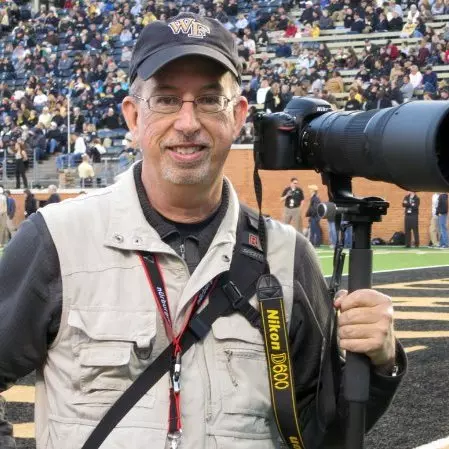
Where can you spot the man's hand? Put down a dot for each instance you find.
(365, 326)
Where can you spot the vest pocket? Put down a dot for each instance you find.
(110, 354)
(242, 368)
(104, 366)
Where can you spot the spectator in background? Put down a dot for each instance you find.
(283, 49)
(286, 95)
(54, 139)
(307, 14)
(54, 196)
(30, 203)
(415, 76)
(86, 172)
(410, 203)
(291, 29)
(293, 197)
(10, 213)
(407, 89)
(438, 8)
(413, 14)
(21, 161)
(444, 94)
(408, 29)
(358, 25)
(78, 120)
(335, 84)
(314, 218)
(430, 80)
(395, 94)
(110, 120)
(353, 104)
(3, 218)
(396, 22)
(441, 211)
(326, 22)
(434, 230)
(262, 91)
(273, 101)
(380, 101)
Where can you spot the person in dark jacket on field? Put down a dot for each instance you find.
(314, 218)
(30, 203)
(441, 213)
(410, 204)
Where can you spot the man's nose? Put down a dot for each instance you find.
(187, 119)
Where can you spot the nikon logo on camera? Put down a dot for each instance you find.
(278, 365)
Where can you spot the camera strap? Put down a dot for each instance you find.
(277, 349)
(280, 370)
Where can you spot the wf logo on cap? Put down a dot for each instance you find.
(189, 26)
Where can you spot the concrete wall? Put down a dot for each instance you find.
(239, 168)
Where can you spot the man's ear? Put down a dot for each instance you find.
(240, 113)
(130, 113)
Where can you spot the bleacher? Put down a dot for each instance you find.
(339, 38)
(335, 40)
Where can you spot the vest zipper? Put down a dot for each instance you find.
(182, 250)
(208, 386)
(228, 353)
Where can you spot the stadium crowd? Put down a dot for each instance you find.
(63, 70)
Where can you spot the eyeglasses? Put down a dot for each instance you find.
(170, 104)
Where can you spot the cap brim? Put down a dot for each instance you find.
(158, 60)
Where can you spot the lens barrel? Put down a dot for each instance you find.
(407, 145)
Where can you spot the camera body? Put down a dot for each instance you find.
(279, 143)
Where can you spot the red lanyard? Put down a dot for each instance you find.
(157, 284)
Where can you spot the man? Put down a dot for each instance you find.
(3, 218)
(11, 212)
(293, 196)
(54, 195)
(410, 203)
(86, 172)
(407, 89)
(442, 208)
(314, 218)
(89, 308)
(434, 228)
(415, 76)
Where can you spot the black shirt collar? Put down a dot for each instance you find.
(173, 233)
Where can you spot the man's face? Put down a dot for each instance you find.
(187, 147)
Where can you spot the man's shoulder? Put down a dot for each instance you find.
(80, 208)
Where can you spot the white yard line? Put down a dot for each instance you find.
(439, 444)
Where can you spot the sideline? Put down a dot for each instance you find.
(426, 267)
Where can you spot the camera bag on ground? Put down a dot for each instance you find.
(398, 238)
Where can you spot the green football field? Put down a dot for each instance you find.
(388, 258)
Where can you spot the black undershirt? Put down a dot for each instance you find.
(190, 240)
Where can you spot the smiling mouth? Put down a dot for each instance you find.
(187, 149)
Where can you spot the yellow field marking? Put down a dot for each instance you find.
(25, 430)
(432, 316)
(422, 334)
(420, 301)
(19, 393)
(415, 348)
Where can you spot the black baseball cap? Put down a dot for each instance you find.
(185, 34)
